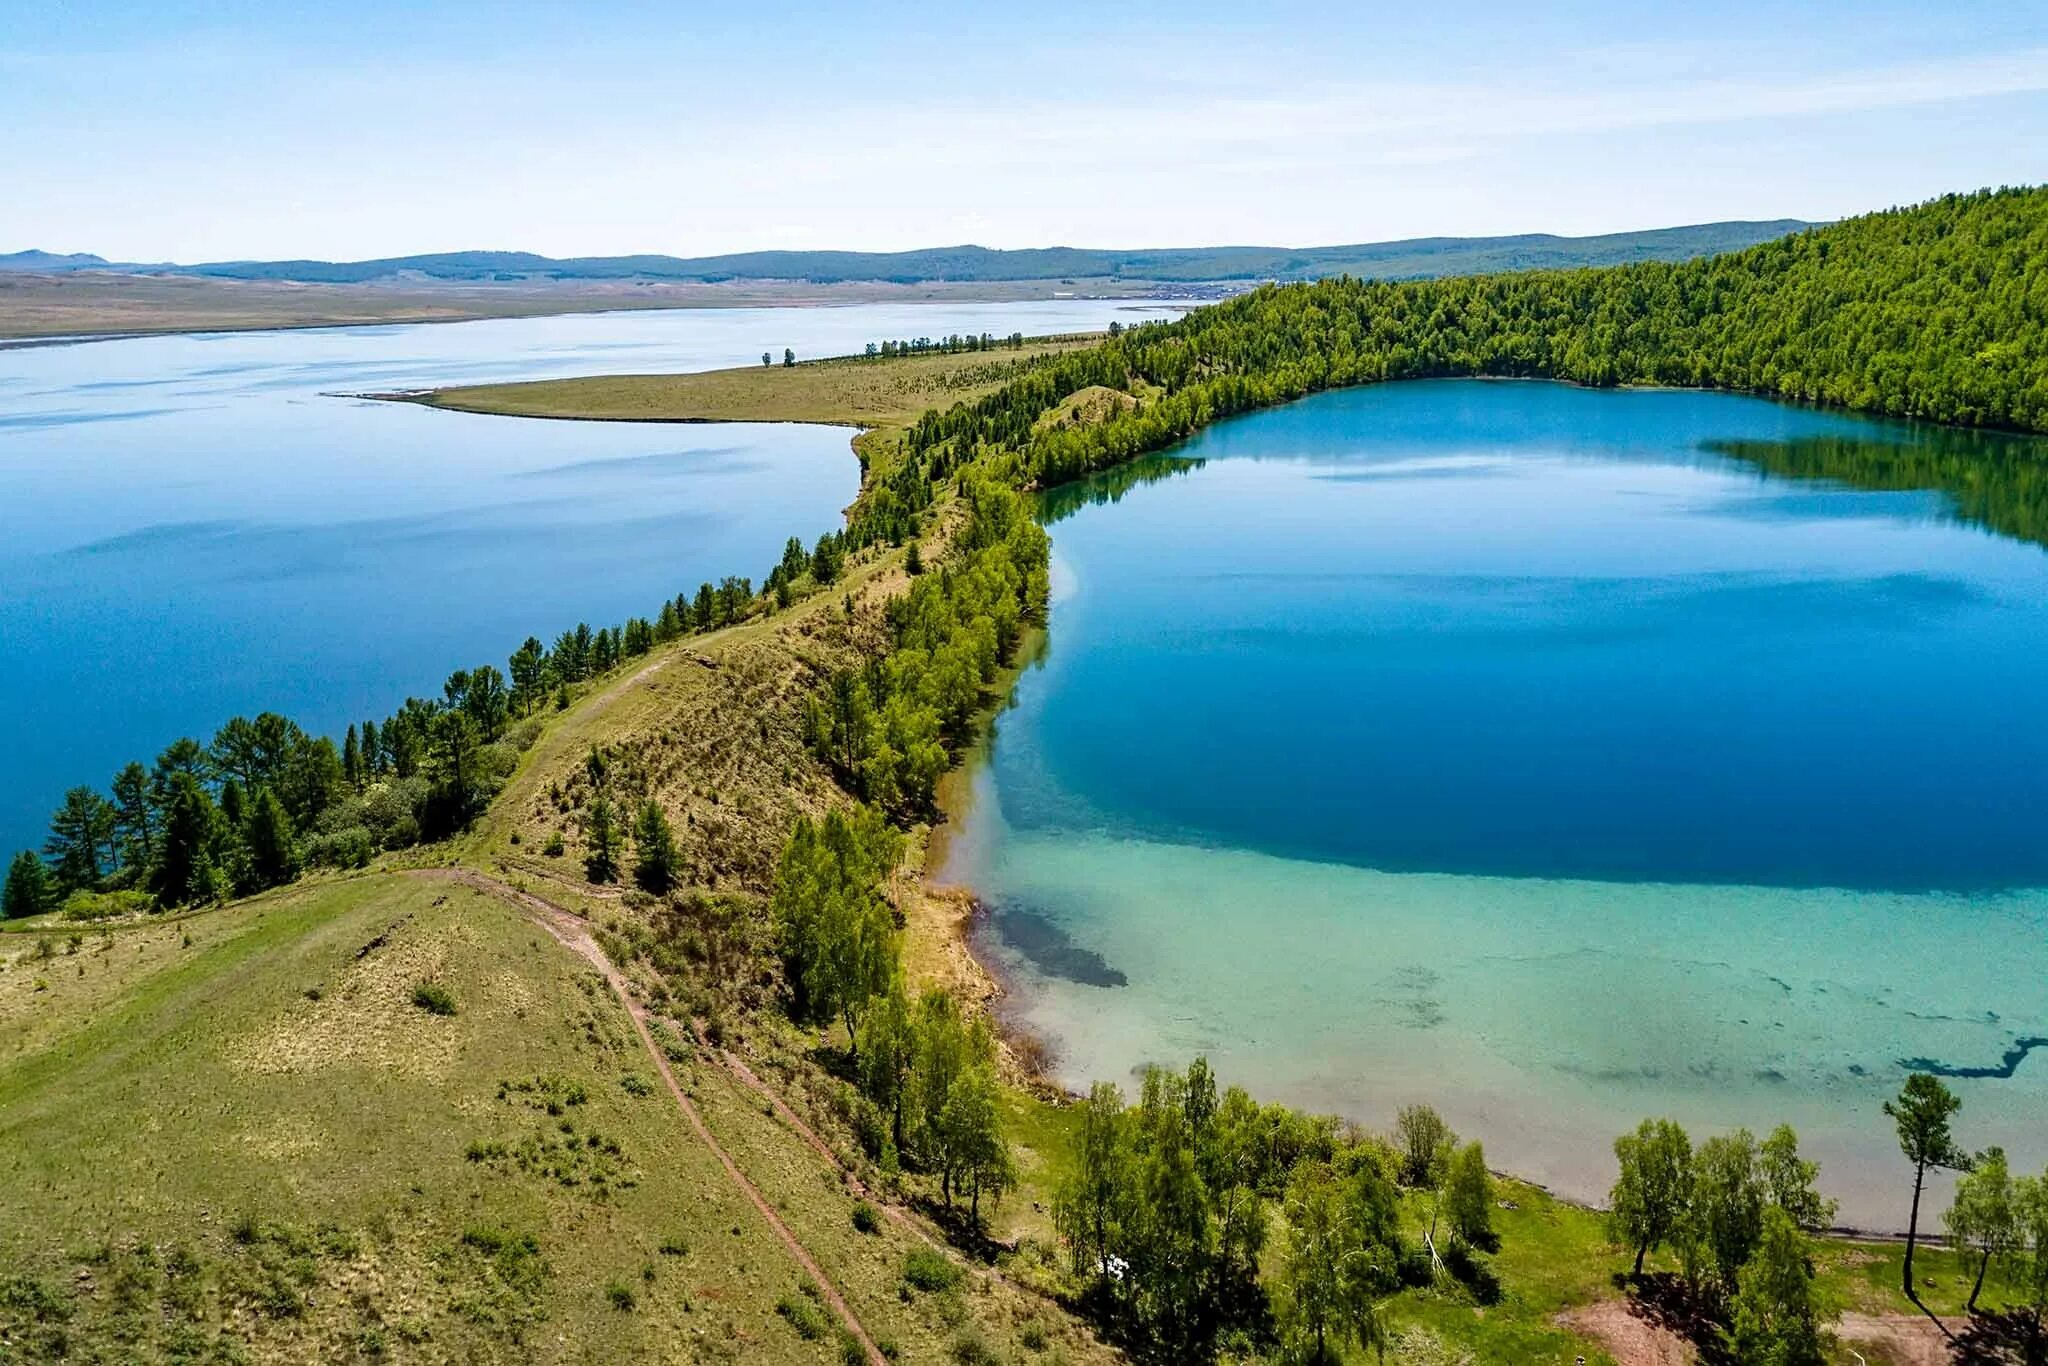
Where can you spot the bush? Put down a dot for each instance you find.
(84, 905)
(971, 1349)
(434, 998)
(804, 1315)
(620, 1296)
(554, 846)
(929, 1270)
(350, 847)
(866, 1219)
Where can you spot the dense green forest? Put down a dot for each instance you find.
(1939, 311)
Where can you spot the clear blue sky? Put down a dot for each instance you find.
(168, 129)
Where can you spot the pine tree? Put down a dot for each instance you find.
(654, 842)
(134, 820)
(29, 890)
(352, 760)
(81, 840)
(186, 871)
(273, 856)
(601, 862)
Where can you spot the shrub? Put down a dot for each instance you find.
(554, 846)
(674, 1247)
(620, 1296)
(84, 905)
(1032, 1335)
(929, 1270)
(434, 998)
(636, 1085)
(804, 1315)
(866, 1219)
(971, 1349)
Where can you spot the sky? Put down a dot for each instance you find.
(151, 130)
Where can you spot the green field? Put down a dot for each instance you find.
(848, 390)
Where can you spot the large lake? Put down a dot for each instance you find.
(194, 526)
(1521, 749)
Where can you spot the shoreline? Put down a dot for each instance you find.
(154, 318)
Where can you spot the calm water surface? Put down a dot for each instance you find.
(1513, 747)
(194, 526)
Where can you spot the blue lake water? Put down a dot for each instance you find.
(1512, 746)
(195, 526)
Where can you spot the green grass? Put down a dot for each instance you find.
(850, 391)
(312, 1160)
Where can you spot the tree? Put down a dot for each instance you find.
(352, 760)
(1424, 1141)
(528, 665)
(1332, 1275)
(134, 820)
(766, 359)
(1092, 1202)
(1647, 1206)
(1728, 1200)
(1922, 1112)
(836, 930)
(267, 839)
(886, 1051)
(601, 861)
(1773, 1321)
(1789, 1181)
(81, 838)
(788, 356)
(187, 871)
(1984, 1220)
(1468, 1197)
(972, 1149)
(654, 842)
(487, 701)
(28, 890)
(2030, 1203)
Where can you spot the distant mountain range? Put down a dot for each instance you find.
(1408, 259)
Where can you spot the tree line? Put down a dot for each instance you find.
(1936, 311)
(265, 800)
(952, 344)
(889, 728)
(925, 1068)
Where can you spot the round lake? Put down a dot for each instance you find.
(1535, 752)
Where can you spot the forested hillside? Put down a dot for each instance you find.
(1935, 311)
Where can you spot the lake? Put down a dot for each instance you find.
(194, 526)
(1521, 749)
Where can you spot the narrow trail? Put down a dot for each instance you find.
(897, 1214)
(571, 932)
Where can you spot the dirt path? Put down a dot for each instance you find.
(1895, 1339)
(1629, 1338)
(574, 935)
(1873, 1339)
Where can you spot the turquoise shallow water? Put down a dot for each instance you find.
(1507, 746)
